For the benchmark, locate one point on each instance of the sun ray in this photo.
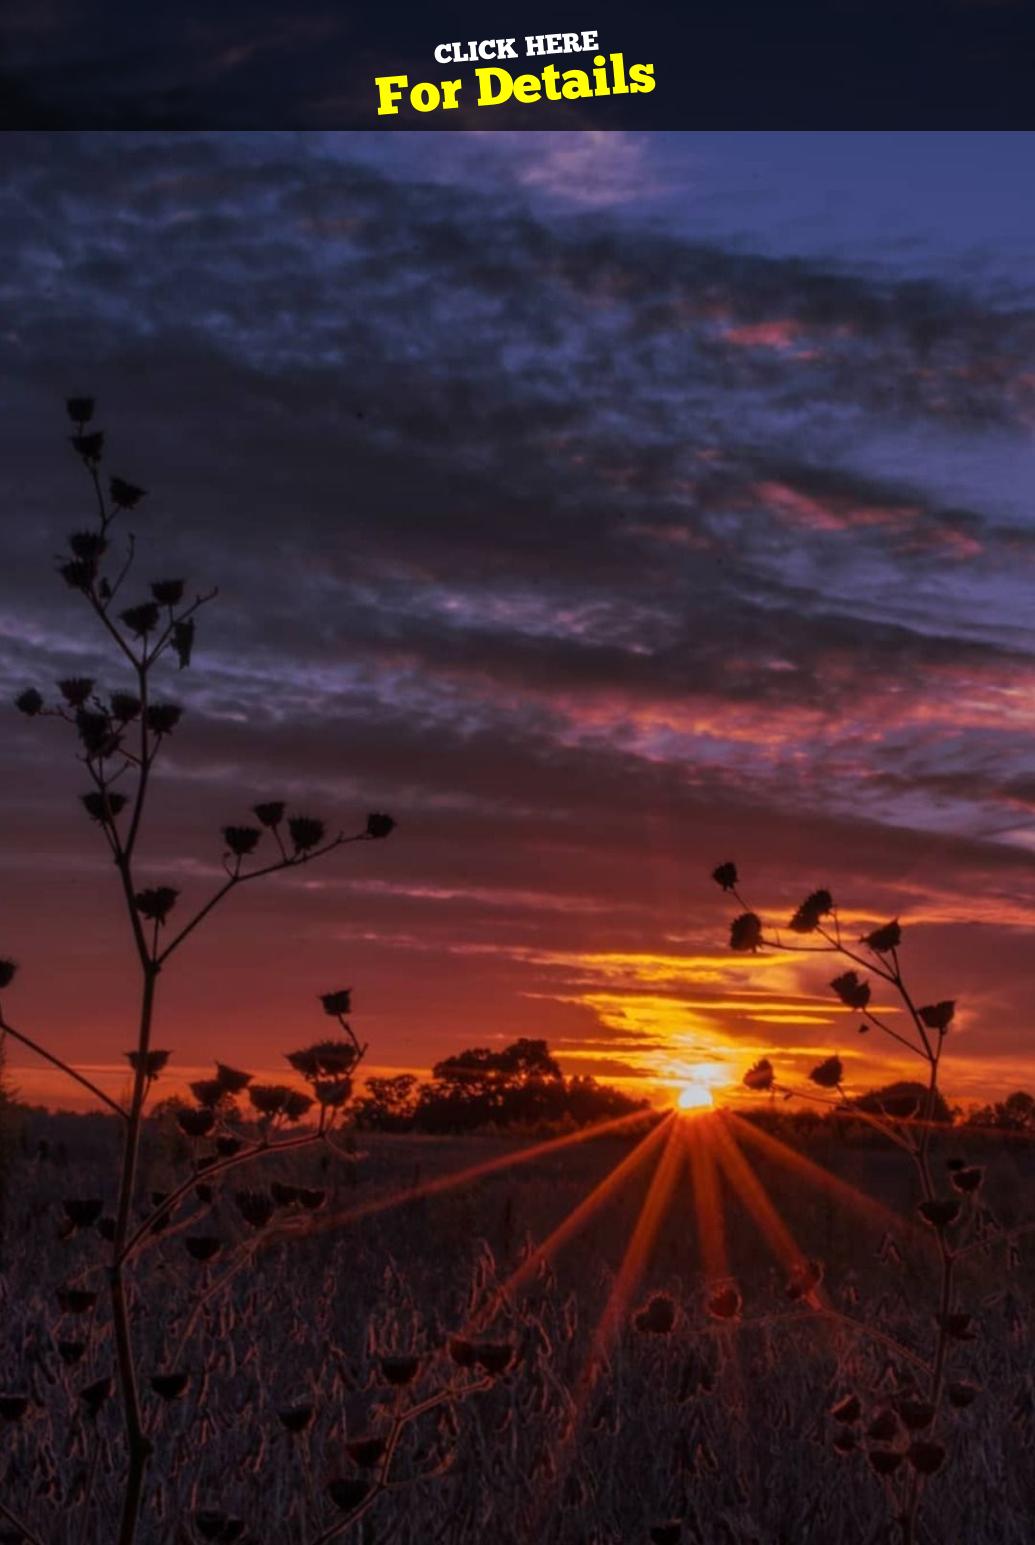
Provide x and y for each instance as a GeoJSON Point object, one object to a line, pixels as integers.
{"type": "Point", "coordinates": [580, 1214]}
{"type": "Point", "coordinates": [638, 1250]}
{"type": "Point", "coordinates": [625, 1283]}
{"type": "Point", "coordinates": [474, 1172]}
{"type": "Point", "coordinates": [756, 1199]}
{"type": "Point", "coordinates": [807, 1169]}
{"type": "Point", "coordinates": [708, 1208]}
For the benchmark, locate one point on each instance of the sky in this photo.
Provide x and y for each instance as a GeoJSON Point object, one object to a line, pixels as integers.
{"type": "Point", "coordinates": [605, 507]}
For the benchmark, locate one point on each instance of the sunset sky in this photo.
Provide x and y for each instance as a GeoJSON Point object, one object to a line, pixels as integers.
{"type": "Point", "coordinates": [604, 507]}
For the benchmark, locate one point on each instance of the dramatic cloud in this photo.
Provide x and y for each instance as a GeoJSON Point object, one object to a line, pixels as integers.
{"type": "Point", "coordinates": [596, 545]}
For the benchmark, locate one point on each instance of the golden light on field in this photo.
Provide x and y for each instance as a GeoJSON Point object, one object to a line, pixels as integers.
{"type": "Point", "coordinates": [694, 1096]}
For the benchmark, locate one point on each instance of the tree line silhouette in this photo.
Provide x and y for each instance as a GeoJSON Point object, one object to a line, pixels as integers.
{"type": "Point", "coordinates": [518, 1086]}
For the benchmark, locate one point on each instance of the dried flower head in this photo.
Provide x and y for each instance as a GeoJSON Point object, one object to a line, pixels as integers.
{"type": "Point", "coordinates": [399, 1370]}
{"type": "Point", "coordinates": [926, 1457]}
{"type": "Point", "coordinates": [805, 1277]}
{"type": "Point", "coordinates": [154, 1061]}
{"type": "Point", "coordinates": [494, 1357]}
{"type": "Point", "coordinates": [241, 840]}
{"type": "Point", "coordinates": [725, 1304]}
{"type": "Point", "coordinates": [88, 545]}
{"type": "Point", "coordinates": [269, 814]}
{"type": "Point", "coordinates": [162, 718]}
{"type": "Point", "coordinates": [726, 876]}
{"type": "Point", "coordinates": [940, 1211]}
{"type": "Point", "coordinates": [232, 1080]}
{"type": "Point", "coordinates": [938, 1016]}
{"type": "Point", "coordinates": [82, 1212]}
{"type": "Point", "coordinates": [255, 1207]}
{"type": "Point", "coordinates": [337, 1003]}
{"type": "Point", "coordinates": [746, 932]}
{"type": "Point", "coordinates": [29, 702]}
{"type": "Point", "coordinates": [95, 1394]}
{"type": "Point", "coordinates": [170, 1386]}
{"type": "Point", "coordinates": [96, 733]}
{"type": "Point", "coordinates": [196, 1123]}
{"type": "Point", "coordinates": [76, 1300]}
{"type": "Point", "coordinates": [848, 1409]}
{"type": "Point", "coordinates": [89, 446]}
{"type": "Point", "coordinates": [141, 620]}
{"type": "Point", "coordinates": [8, 971]}
{"type": "Point", "coordinates": [884, 1461]}
{"type": "Point", "coordinates": [202, 1247]}
{"type": "Point", "coordinates": [815, 907]}
{"type": "Point", "coordinates": [156, 904]}
{"type": "Point", "coordinates": [461, 1351]}
{"type": "Point", "coordinates": [125, 496]}
{"type": "Point", "coordinates": [79, 573]}
{"type": "Point", "coordinates": [75, 690]}
{"type": "Point", "coordinates": [211, 1524]}
{"type": "Point", "coordinates": [828, 1074]}
{"type": "Point", "coordinates": [333, 1059]}
{"type": "Point", "coordinates": [915, 1413]}
{"type": "Point", "coordinates": [666, 1534]}
{"type": "Point", "coordinates": [759, 1076]}
{"type": "Point", "coordinates": [379, 824]}
{"type": "Point", "coordinates": [208, 1092]}
{"type": "Point", "coordinates": [103, 807]}
{"type": "Point", "coordinates": [125, 706]}
{"type": "Point", "coordinates": [79, 409]}
{"type": "Point", "coordinates": [268, 1099]}
{"type": "Point", "coordinates": [851, 989]}
{"type": "Point", "coordinates": [884, 939]}
{"type": "Point", "coordinates": [306, 832]}
{"type": "Point", "coordinates": [959, 1325]}
{"type": "Point", "coordinates": [347, 1493]}
{"type": "Point", "coordinates": [167, 592]}
{"type": "Point", "coordinates": [333, 1092]}
{"type": "Point", "coordinates": [657, 1317]}
{"type": "Point", "coordinates": [884, 1428]}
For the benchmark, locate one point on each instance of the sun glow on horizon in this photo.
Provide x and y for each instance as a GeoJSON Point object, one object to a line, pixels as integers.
{"type": "Point", "coordinates": [695, 1096]}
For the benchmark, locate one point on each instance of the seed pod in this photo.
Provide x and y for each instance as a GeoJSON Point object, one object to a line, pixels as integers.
{"type": "Point", "coordinates": [925, 1457]}
{"type": "Point", "coordinates": [399, 1371]}
{"type": "Point", "coordinates": [170, 1386]}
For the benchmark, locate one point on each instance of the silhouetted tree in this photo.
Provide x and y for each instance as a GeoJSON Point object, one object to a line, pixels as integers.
{"type": "Point", "coordinates": [1014, 1114]}
{"type": "Point", "coordinates": [904, 1100]}
{"type": "Point", "coordinates": [519, 1085]}
{"type": "Point", "coordinates": [389, 1104]}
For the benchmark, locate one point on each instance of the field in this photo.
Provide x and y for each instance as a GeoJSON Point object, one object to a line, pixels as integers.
{"type": "Point", "coordinates": [599, 1431]}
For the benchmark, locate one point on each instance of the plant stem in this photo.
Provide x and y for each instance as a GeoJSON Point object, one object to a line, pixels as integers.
{"type": "Point", "coordinates": [80, 1078]}
{"type": "Point", "coordinates": [138, 1442]}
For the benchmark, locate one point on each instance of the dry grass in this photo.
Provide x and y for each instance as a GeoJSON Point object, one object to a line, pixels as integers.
{"type": "Point", "coordinates": [725, 1427]}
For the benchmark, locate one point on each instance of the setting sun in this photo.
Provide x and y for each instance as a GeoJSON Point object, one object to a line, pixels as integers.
{"type": "Point", "coordinates": [694, 1096]}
